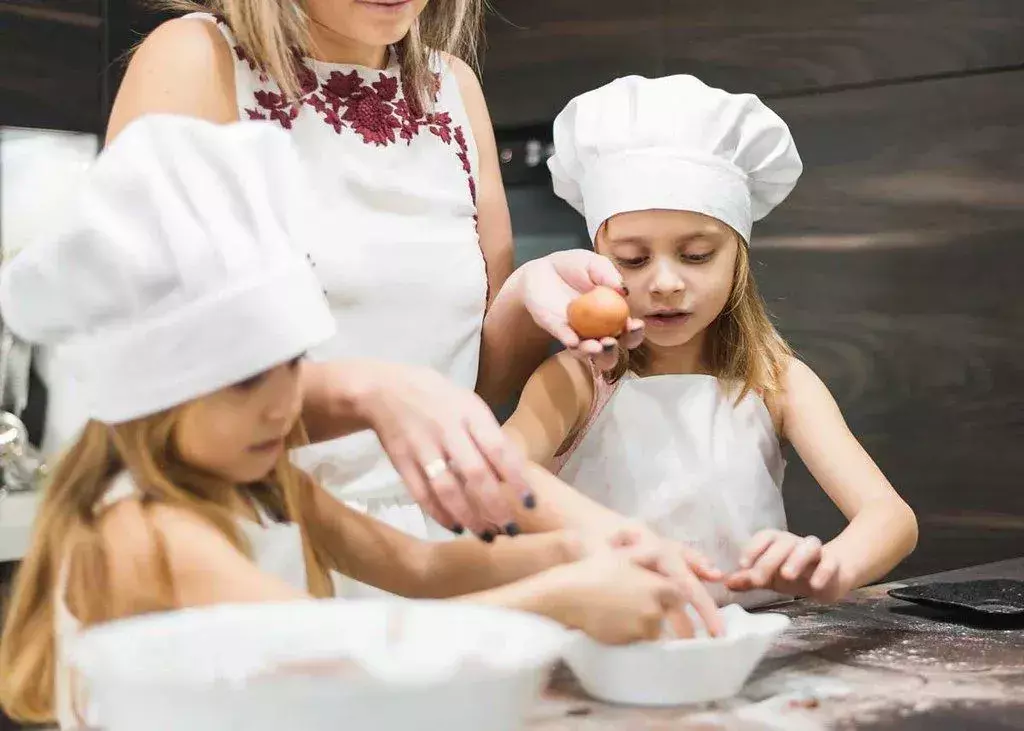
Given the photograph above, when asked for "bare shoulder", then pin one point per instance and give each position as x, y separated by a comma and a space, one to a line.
795, 379
183, 67
803, 397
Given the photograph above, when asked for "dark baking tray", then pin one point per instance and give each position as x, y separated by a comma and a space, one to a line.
991, 597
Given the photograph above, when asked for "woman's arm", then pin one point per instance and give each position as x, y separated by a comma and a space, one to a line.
882, 529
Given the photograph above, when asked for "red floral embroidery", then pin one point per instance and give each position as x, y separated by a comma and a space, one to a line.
377, 112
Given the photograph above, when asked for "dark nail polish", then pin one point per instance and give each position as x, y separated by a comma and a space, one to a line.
608, 347
530, 501
512, 530
487, 537
625, 290
458, 529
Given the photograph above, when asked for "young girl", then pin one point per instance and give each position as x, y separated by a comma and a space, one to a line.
670, 175
179, 294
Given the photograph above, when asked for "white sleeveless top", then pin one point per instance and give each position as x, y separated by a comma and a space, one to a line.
276, 549
399, 257
678, 453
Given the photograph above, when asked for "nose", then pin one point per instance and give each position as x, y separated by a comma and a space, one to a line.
666, 279
284, 395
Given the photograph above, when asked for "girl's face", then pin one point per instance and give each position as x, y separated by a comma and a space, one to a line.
375, 23
238, 433
678, 267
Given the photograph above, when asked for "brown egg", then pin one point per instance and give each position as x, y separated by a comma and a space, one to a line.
600, 313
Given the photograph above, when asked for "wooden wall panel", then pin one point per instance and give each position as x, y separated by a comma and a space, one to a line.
896, 270
541, 53
800, 45
50, 64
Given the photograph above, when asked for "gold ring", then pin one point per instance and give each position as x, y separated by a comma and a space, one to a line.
435, 469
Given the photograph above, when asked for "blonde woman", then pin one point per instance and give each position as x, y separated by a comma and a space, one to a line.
685, 434
415, 248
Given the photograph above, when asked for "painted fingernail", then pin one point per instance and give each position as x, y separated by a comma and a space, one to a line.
458, 529
512, 530
487, 536
636, 328
608, 347
625, 290
530, 501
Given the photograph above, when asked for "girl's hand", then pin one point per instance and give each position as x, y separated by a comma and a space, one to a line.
551, 283
686, 568
788, 564
610, 597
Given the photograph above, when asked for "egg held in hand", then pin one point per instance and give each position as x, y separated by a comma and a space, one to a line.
600, 313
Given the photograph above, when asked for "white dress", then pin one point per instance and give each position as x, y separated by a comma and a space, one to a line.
398, 256
276, 549
678, 453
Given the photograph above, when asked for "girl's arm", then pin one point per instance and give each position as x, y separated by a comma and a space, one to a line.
374, 553
553, 406
882, 529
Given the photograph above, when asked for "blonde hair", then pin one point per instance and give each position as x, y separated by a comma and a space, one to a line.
742, 346
275, 35
67, 529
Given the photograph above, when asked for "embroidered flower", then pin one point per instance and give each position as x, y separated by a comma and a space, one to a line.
373, 118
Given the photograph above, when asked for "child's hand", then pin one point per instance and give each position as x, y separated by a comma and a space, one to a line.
683, 566
788, 564
549, 284
611, 598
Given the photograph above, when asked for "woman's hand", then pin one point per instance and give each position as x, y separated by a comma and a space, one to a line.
442, 439
788, 564
684, 567
549, 284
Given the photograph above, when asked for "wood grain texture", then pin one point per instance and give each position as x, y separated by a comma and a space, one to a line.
895, 270
773, 48
50, 64
541, 53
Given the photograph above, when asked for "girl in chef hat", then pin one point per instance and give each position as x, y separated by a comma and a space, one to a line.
177, 290
685, 435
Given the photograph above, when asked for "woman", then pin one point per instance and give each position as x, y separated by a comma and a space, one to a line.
416, 253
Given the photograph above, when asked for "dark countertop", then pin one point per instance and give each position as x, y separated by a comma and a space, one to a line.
871, 662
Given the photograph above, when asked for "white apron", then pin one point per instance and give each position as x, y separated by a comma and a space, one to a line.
675, 452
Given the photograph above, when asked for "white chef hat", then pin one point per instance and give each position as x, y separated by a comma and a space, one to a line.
180, 269
672, 143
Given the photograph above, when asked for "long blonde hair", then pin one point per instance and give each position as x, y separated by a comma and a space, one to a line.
67, 543
742, 346
275, 33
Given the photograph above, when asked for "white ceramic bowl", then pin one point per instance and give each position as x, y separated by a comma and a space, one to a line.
677, 672
405, 665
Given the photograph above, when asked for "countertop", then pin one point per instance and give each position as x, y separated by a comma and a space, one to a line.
871, 662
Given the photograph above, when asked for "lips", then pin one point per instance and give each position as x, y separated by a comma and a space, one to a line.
665, 318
